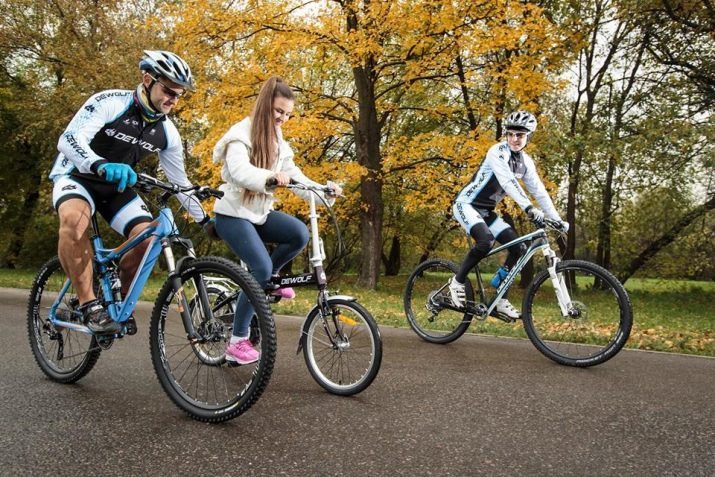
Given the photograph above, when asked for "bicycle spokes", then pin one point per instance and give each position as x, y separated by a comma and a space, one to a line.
588, 327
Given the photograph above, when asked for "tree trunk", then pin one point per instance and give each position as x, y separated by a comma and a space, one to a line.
574, 179
392, 261
666, 239
603, 248
367, 146
446, 225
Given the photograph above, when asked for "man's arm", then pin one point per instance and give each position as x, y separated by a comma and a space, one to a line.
99, 110
171, 160
536, 188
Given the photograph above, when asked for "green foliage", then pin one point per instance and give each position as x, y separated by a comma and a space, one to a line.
670, 315
625, 86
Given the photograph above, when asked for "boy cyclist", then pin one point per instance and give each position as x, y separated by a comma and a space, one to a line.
474, 206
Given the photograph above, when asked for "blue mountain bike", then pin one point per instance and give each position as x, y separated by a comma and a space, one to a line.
190, 324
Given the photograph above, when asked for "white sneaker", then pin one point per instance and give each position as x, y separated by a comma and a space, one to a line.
457, 293
506, 308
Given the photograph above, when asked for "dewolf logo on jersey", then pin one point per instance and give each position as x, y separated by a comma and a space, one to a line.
132, 140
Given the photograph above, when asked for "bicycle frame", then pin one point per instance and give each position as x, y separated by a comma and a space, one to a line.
161, 232
317, 276
540, 242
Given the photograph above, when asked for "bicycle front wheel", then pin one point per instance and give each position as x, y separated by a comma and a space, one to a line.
427, 300
599, 319
343, 350
195, 373
63, 354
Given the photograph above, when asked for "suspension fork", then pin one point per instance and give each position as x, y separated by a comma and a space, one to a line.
558, 281
181, 302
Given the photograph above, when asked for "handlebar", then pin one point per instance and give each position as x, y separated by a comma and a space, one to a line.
272, 183
552, 224
146, 183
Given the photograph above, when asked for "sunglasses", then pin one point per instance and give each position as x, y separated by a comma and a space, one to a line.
517, 135
168, 91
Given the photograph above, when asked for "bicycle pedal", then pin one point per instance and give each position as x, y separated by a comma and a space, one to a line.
504, 317
131, 326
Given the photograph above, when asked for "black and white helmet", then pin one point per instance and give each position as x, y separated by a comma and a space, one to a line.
168, 65
520, 121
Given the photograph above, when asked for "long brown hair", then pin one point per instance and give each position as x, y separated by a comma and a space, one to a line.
264, 138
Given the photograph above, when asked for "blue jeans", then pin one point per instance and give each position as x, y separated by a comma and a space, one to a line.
247, 242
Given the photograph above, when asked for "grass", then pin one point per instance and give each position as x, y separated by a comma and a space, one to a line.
669, 315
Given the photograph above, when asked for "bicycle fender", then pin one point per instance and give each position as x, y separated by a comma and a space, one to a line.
183, 262
304, 328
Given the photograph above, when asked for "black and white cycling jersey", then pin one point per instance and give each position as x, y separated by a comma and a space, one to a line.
109, 128
498, 175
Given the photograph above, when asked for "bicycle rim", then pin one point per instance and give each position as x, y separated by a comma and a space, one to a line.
63, 354
601, 317
426, 289
196, 375
343, 351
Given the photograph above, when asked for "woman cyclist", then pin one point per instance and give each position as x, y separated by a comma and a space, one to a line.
252, 152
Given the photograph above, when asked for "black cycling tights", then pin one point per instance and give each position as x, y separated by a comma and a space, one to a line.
485, 240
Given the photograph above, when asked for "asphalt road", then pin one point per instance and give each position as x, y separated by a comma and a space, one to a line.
479, 406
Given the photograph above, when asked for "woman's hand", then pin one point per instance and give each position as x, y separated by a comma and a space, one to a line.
337, 190
282, 178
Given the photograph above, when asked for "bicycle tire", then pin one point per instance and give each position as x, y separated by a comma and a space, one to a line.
63, 354
209, 391
602, 324
431, 322
349, 362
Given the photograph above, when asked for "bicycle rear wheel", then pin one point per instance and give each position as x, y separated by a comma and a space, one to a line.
599, 322
343, 351
426, 293
63, 354
195, 374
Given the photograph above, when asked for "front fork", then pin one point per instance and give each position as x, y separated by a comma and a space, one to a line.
558, 281
326, 312
182, 303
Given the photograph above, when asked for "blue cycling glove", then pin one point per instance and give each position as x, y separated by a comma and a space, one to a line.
121, 174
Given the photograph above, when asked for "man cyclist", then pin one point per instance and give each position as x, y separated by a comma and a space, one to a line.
474, 206
112, 132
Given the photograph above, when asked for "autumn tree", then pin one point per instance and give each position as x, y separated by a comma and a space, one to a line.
400, 88
54, 55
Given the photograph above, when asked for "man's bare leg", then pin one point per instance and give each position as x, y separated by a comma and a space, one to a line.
74, 248
129, 263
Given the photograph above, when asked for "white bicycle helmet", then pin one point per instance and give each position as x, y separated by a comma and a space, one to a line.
169, 66
520, 121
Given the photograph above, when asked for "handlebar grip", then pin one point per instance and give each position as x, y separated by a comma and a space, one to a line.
272, 182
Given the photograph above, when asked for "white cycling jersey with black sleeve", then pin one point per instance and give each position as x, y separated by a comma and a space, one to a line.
499, 175
109, 127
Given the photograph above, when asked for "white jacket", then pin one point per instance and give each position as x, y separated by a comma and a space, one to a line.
233, 152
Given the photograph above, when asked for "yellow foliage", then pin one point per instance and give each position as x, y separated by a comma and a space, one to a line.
509, 52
